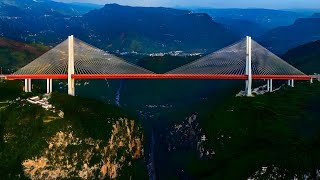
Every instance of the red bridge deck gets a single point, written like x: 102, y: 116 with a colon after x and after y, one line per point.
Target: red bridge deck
x: 159, y: 76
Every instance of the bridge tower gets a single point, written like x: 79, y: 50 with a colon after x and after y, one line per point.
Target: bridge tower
x: 248, y: 67
x: 71, y: 89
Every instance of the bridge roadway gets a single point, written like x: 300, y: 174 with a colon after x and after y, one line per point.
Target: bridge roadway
x: 160, y: 76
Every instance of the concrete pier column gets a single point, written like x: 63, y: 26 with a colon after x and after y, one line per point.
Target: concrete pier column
x: 311, y: 80
x: 292, y: 83
x: 29, y: 85
x: 289, y: 82
x: 26, y: 87
x: 268, y: 85
x: 50, y: 83
x: 271, y: 88
x: 49, y: 86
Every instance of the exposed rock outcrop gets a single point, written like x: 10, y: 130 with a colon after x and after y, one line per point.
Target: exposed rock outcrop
x: 69, y: 155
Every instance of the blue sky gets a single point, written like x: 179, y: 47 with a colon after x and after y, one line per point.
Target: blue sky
x: 275, y: 4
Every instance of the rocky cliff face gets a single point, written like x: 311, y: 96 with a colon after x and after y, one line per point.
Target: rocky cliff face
x: 99, y: 141
x: 68, y: 156
x: 188, y: 135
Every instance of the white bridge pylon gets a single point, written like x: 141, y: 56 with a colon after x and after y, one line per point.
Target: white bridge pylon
x: 71, y: 89
x: 74, y: 59
x: 248, y: 66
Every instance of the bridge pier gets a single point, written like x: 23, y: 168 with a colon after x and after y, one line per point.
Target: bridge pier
x: 311, y: 80
x: 270, y: 87
x: 291, y: 82
x: 27, y: 85
x: 49, y: 86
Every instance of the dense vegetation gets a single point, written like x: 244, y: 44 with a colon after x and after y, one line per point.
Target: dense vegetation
x: 25, y: 129
x: 115, y: 27
x: 163, y: 64
x: 283, y: 38
x: 277, y: 130
x: 10, y: 90
x: 47, y: 7
x: 305, y: 57
x: 88, y: 115
x: 15, y: 54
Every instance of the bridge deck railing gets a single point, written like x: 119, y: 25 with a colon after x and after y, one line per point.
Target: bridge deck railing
x: 160, y: 76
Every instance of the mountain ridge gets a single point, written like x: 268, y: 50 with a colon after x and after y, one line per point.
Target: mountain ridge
x: 14, y: 54
x: 302, y: 31
x: 49, y: 6
x: 123, y: 28
x: 306, y: 57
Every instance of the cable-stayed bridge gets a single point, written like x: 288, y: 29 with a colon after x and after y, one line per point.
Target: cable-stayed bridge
x: 74, y: 59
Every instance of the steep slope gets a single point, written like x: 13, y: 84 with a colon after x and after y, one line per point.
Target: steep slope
x: 242, y: 27
x: 49, y: 7
x: 267, y: 18
x: 316, y: 15
x: 75, y: 138
x: 271, y: 136
x: 281, y: 39
x: 305, y: 57
x: 7, y: 10
x: 159, y: 29
x: 14, y: 54
x: 122, y: 28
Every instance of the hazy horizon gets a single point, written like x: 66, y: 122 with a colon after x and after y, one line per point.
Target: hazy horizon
x: 268, y: 4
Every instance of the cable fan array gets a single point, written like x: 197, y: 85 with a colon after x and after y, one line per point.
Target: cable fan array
x: 232, y: 60
x: 89, y: 60
x: 54, y: 61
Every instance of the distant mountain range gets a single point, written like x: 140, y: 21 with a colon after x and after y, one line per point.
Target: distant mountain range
x: 306, y: 57
x: 278, y: 30
x: 304, y: 30
x: 116, y: 27
x: 316, y: 15
x: 242, y: 27
x: 266, y: 18
x: 136, y: 28
x: 149, y: 30
x: 48, y: 7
